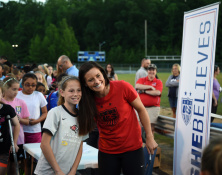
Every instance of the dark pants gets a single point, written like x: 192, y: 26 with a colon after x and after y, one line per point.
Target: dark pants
x: 213, y: 109
x: 131, y: 163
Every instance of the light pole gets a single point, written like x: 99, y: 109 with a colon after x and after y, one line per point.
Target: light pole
x: 101, y: 44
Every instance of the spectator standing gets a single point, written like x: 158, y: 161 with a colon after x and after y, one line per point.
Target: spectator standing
x: 4, y: 60
x: 142, y: 72
x: 6, y: 69
x: 40, y: 87
x: 50, y: 69
x: 35, y: 102
x: 173, y: 85
x: 5, y: 143
x: 150, y: 89
x: 110, y: 72
x: 17, y: 73
x: 41, y: 78
x: 10, y: 90
x: 47, y: 76
x: 65, y: 66
x: 53, y: 97
x: 216, y: 91
x: 1, y: 72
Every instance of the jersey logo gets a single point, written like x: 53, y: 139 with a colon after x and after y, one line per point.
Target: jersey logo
x: 74, y: 128
x: 18, y: 109
x: 154, y: 84
x: 109, y: 117
x: 64, y: 143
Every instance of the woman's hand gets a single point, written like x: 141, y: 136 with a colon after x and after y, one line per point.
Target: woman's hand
x: 151, y: 144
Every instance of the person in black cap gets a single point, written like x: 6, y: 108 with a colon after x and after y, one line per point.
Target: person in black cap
x: 150, y: 89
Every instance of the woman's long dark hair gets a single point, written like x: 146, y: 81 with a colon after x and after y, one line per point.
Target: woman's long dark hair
x: 87, y: 106
x: 112, y: 70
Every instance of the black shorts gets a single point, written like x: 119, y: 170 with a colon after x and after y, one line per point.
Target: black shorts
x: 20, y: 154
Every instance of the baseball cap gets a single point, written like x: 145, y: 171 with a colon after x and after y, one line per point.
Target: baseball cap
x: 152, y: 66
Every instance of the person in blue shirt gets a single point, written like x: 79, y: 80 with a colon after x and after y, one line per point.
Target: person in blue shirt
x: 53, y: 97
x: 65, y: 65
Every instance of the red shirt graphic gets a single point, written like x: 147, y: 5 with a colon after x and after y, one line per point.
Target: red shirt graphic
x: 119, y: 129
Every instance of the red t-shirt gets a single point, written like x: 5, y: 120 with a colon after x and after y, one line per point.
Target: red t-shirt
x: 149, y: 100
x: 119, y: 129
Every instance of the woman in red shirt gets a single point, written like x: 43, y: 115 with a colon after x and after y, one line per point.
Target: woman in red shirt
x: 112, y: 103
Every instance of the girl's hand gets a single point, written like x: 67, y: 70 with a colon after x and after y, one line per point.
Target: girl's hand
x: 151, y: 144
x: 33, y: 121
x: 16, y: 148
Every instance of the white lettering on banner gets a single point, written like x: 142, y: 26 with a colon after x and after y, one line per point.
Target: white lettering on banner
x: 200, y: 86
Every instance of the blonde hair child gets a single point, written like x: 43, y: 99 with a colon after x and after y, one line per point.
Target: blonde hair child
x: 5, y: 143
x: 10, y: 90
x: 41, y: 79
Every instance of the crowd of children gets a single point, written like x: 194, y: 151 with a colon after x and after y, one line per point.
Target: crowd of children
x: 24, y: 96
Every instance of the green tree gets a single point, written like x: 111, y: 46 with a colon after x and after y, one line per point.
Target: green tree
x: 69, y: 44
x: 7, y: 50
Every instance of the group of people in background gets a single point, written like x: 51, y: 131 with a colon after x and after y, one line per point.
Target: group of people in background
x: 62, y: 107
x: 172, y: 83
x: 39, y: 118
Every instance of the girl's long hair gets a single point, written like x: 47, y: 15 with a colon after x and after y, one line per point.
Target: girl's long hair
x: 87, y: 123
x: 87, y: 105
x: 43, y: 79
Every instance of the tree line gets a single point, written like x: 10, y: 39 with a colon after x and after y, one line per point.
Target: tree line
x: 43, y: 32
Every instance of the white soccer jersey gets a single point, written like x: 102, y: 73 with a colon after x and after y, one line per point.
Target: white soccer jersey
x: 65, y: 140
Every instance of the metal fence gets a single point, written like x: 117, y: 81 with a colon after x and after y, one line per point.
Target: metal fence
x: 166, y: 126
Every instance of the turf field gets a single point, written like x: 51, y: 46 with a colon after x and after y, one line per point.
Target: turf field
x: 164, y: 99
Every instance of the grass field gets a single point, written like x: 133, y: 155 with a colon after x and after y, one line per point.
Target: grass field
x: 164, y: 99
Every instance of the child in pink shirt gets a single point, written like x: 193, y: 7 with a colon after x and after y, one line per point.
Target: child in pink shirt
x: 10, y: 90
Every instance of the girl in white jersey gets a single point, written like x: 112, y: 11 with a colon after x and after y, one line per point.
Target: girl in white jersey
x: 63, y: 132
